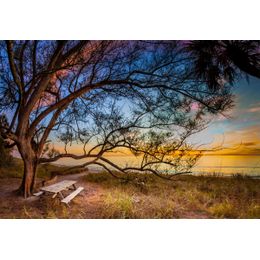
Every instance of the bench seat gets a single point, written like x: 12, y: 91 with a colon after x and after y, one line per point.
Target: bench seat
x: 72, y: 195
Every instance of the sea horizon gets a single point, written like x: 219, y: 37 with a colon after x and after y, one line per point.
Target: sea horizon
x: 210, y: 164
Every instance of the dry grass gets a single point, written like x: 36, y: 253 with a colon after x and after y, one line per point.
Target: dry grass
x: 142, y: 196
x: 146, y: 196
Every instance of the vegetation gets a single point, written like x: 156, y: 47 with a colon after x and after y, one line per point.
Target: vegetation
x: 6, y: 159
x: 15, y: 170
x: 218, y: 62
x: 73, y: 91
x: 187, y: 196
x: 146, y: 196
x: 144, y: 98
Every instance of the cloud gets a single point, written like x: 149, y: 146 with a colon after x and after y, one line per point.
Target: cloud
x: 250, y: 143
x: 253, y: 109
x: 242, y: 141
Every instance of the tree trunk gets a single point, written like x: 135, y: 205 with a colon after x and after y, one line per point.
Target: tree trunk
x: 29, y: 172
x: 26, y: 188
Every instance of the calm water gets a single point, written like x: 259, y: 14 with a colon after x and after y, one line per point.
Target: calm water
x: 229, y: 165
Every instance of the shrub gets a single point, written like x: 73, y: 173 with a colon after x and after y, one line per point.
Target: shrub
x: 253, y: 211
x: 118, y: 205
x: 223, y: 210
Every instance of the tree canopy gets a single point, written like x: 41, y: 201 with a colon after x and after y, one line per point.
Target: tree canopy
x: 221, y: 61
x: 140, y: 96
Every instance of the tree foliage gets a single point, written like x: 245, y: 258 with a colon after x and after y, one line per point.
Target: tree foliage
x: 218, y: 62
x: 139, y: 97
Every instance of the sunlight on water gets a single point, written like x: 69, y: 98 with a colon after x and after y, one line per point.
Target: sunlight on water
x: 228, y: 164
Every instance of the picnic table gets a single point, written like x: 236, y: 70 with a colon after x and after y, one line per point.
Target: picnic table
x: 60, y: 187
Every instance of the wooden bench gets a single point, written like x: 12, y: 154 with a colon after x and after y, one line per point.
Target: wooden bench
x: 58, y: 188
x: 72, y: 195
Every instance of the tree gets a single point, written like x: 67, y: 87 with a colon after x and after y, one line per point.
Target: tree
x: 217, y: 62
x: 74, y: 91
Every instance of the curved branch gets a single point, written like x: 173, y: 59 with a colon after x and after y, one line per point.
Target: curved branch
x: 9, y: 45
x: 109, y: 171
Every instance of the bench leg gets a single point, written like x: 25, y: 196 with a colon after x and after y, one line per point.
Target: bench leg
x: 61, y: 195
x: 54, y: 196
x: 74, y: 186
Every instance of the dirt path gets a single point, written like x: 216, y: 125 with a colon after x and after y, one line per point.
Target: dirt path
x: 89, y: 202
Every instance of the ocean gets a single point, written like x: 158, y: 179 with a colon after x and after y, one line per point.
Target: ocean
x: 229, y: 164
x: 226, y: 165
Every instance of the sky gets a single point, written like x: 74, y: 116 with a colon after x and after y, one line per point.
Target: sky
x: 236, y: 134
x: 239, y: 133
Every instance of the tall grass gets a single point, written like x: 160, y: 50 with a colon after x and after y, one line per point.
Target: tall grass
x: 184, y: 197
x: 147, y: 196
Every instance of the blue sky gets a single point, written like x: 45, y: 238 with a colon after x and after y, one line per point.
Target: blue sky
x: 242, y: 128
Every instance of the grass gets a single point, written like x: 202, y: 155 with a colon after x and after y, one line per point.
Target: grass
x: 142, y: 196
x: 146, y: 196
x: 253, y: 211
x: 118, y: 205
x: 223, y: 210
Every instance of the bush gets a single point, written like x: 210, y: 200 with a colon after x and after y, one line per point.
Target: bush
x: 223, y: 210
x: 6, y: 159
x: 118, y: 205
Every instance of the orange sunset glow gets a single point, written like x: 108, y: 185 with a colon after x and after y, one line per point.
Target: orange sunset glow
x: 231, y: 143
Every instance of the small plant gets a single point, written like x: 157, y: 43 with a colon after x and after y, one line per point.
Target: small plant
x: 118, y: 205
x: 223, y: 210
x: 164, y: 210
x: 253, y: 211
x: 26, y: 213
x: 97, y: 177
x: 51, y: 214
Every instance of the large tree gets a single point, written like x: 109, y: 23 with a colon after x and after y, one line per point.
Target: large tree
x: 133, y: 96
